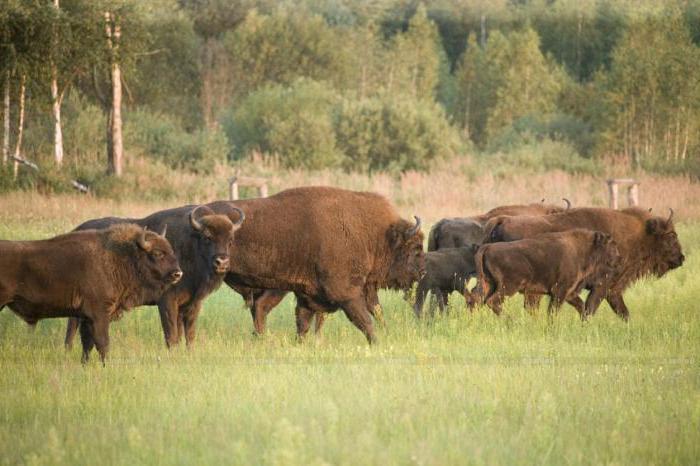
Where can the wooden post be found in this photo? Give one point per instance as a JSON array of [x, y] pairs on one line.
[[633, 194], [237, 180], [612, 187], [233, 188]]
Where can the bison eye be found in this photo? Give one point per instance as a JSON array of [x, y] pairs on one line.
[[157, 255]]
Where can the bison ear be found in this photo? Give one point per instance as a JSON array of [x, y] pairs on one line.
[[655, 226]]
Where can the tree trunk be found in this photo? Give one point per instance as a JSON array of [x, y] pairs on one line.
[[115, 150], [6, 121], [207, 82], [56, 103], [20, 124]]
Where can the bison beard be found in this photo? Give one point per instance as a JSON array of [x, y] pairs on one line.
[[105, 272], [648, 244], [333, 248]]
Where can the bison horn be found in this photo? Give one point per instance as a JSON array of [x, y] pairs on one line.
[[241, 217], [542, 200], [142, 241], [415, 229], [568, 203], [670, 215], [165, 230], [196, 225], [650, 209]]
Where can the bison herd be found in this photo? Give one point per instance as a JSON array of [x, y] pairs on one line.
[[334, 249]]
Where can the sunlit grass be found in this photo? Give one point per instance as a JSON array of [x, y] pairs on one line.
[[463, 388]]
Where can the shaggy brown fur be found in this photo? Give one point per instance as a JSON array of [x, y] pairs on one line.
[[95, 275], [446, 270], [558, 264], [202, 241], [648, 244], [333, 248]]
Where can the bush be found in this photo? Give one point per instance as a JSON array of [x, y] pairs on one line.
[[540, 156], [395, 134], [164, 139], [292, 122]]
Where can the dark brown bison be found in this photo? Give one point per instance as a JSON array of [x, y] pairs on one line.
[[202, 242], [462, 231], [446, 270], [648, 244], [333, 248], [94, 275], [557, 264]]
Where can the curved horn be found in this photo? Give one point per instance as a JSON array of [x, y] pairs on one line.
[[568, 203], [415, 228], [650, 209], [142, 242], [241, 217], [542, 200], [670, 215], [165, 230], [194, 223]]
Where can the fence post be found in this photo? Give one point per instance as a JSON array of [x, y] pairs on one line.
[[233, 188], [612, 187]]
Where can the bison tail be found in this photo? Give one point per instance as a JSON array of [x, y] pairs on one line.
[[483, 285], [495, 233], [434, 236]]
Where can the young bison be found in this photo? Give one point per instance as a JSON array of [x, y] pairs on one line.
[[557, 264], [446, 270]]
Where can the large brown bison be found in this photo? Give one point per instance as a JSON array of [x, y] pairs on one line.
[[333, 248], [557, 264], [95, 275], [202, 242], [446, 270], [462, 231], [648, 244]]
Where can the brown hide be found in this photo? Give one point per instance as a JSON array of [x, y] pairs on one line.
[[91, 274]]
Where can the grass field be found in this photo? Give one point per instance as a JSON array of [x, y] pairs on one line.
[[463, 389]]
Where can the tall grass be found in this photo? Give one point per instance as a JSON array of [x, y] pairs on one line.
[[464, 388]]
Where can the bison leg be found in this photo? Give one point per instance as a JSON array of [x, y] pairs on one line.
[[532, 301], [320, 319], [86, 338], [169, 309], [100, 333], [441, 297], [618, 305], [189, 320], [593, 301], [356, 310], [421, 293], [263, 303], [577, 302], [303, 318], [495, 302], [71, 330]]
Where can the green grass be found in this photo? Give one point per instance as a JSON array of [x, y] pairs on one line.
[[465, 388]]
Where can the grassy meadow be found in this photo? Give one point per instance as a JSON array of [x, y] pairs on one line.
[[462, 389]]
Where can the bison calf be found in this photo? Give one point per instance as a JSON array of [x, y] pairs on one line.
[[557, 264], [446, 270], [95, 275]]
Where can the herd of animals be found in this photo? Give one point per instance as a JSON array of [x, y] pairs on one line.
[[334, 249]]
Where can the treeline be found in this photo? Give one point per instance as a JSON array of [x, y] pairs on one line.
[[363, 86]]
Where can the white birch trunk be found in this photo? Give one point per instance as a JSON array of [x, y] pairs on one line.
[[56, 106], [6, 121], [20, 124], [115, 150]]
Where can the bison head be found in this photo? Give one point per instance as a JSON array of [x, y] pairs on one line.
[[161, 263], [214, 236], [407, 256], [666, 249]]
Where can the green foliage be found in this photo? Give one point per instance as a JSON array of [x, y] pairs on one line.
[[282, 47], [395, 134], [162, 138], [292, 122]]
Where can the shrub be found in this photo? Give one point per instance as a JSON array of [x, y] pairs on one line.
[[395, 134], [163, 138], [539, 156], [292, 122]]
